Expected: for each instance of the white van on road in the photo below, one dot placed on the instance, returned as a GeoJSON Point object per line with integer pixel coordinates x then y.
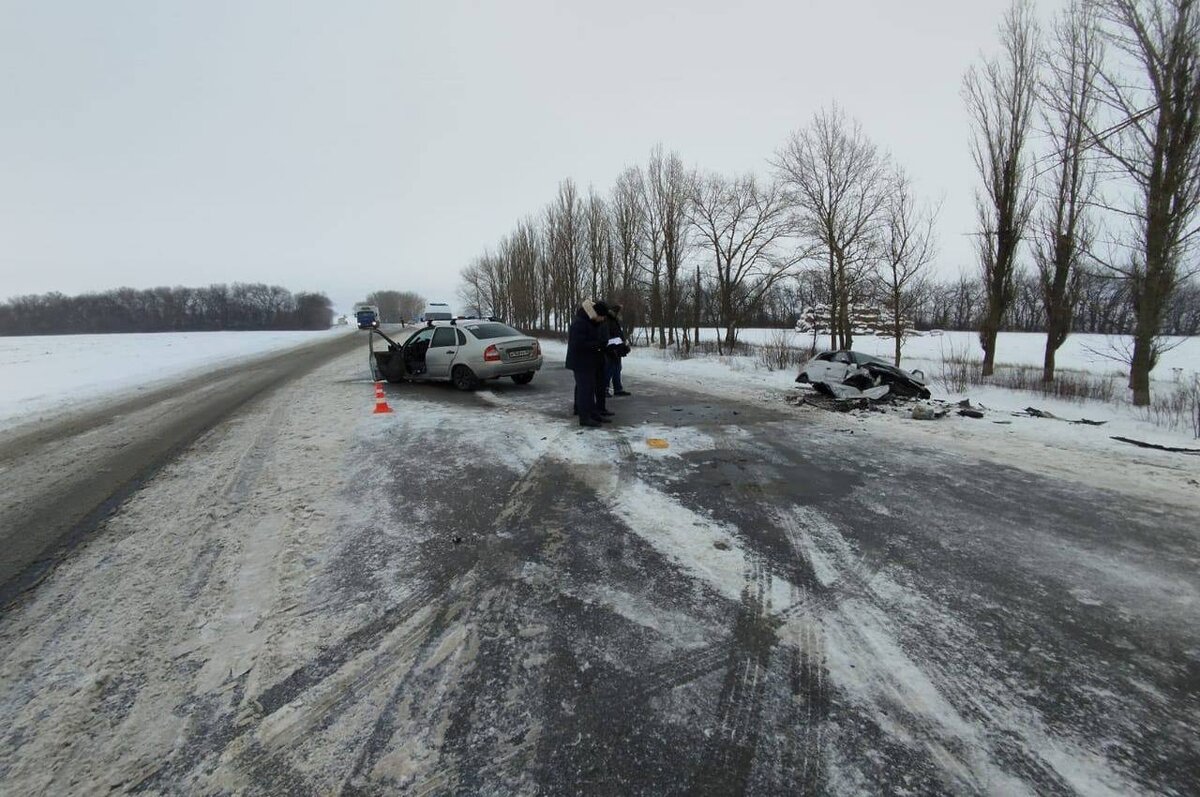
{"type": "Point", "coordinates": [437, 311]}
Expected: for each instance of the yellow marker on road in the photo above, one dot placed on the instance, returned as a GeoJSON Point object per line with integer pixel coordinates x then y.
{"type": "Point", "coordinates": [657, 442]}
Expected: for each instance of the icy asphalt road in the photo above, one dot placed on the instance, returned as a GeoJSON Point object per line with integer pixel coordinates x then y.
{"type": "Point", "coordinates": [473, 596]}
{"type": "Point", "coordinates": [63, 475]}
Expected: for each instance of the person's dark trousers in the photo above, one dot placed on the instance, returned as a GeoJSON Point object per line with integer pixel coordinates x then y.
{"type": "Point", "coordinates": [600, 382]}
{"type": "Point", "coordinates": [585, 393]}
{"type": "Point", "coordinates": [613, 375]}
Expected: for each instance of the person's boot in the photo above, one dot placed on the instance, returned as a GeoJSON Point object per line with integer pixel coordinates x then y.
{"type": "Point", "coordinates": [602, 419]}
{"type": "Point", "coordinates": [622, 392]}
{"type": "Point", "coordinates": [605, 412]}
{"type": "Point", "coordinates": [590, 422]}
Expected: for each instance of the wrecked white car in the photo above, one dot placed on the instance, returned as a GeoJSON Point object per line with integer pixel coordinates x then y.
{"type": "Point", "coordinates": [863, 372]}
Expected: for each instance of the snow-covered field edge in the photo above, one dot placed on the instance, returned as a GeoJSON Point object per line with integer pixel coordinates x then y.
{"type": "Point", "coordinates": [42, 373]}
{"type": "Point", "coordinates": [1088, 362]}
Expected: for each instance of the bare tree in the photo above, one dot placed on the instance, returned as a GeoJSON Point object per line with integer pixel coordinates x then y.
{"type": "Point", "coordinates": [388, 303]}
{"type": "Point", "coordinates": [907, 246]}
{"type": "Point", "coordinates": [411, 304]}
{"type": "Point", "coordinates": [1000, 100]}
{"type": "Point", "coordinates": [476, 289]}
{"type": "Point", "coordinates": [563, 252]}
{"type": "Point", "coordinates": [835, 179]}
{"type": "Point", "coordinates": [668, 190]}
{"type": "Point", "coordinates": [1152, 88]}
{"type": "Point", "coordinates": [523, 253]}
{"type": "Point", "coordinates": [650, 242]}
{"type": "Point", "coordinates": [596, 234]}
{"type": "Point", "coordinates": [1063, 231]}
{"type": "Point", "coordinates": [743, 227]}
{"type": "Point", "coordinates": [626, 222]}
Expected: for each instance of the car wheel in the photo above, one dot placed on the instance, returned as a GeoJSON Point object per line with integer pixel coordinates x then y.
{"type": "Point", "coordinates": [463, 378]}
{"type": "Point", "coordinates": [523, 379]}
{"type": "Point", "coordinates": [803, 377]}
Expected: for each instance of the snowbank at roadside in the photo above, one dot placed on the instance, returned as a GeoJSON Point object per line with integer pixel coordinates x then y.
{"type": "Point", "coordinates": [39, 372]}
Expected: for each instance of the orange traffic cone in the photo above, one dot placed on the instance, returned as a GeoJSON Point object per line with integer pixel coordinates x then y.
{"type": "Point", "coordinates": [381, 405]}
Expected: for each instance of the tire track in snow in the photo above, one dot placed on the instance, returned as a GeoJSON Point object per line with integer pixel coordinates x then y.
{"type": "Point", "coordinates": [968, 730]}
{"type": "Point", "coordinates": [730, 752]}
{"type": "Point", "coordinates": [711, 552]}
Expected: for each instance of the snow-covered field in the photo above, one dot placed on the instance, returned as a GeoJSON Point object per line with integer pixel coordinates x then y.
{"type": "Point", "coordinates": [40, 372]}
{"type": "Point", "coordinates": [1082, 353]}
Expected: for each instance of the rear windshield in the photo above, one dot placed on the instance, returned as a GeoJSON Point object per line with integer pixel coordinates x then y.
{"type": "Point", "coordinates": [438, 316]}
{"type": "Point", "coordinates": [485, 331]}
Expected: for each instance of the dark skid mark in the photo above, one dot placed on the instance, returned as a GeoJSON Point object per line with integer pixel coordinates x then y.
{"type": "Point", "coordinates": [726, 763]}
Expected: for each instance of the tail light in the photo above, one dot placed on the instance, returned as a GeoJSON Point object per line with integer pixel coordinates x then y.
{"type": "Point", "coordinates": [537, 349]}
{"type": "Point", "coordinates": [491, 354]}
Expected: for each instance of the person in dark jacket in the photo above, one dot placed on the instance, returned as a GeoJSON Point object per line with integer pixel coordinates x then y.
{"type": "Point", "coordinates": [602, 411]}
{"type": "Point", "coordinates": [616, 350]}
{"type": "Point", "coordinates": [585, 358]}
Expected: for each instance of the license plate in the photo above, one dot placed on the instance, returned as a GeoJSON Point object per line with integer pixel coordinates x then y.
{"type": "Point", "coordinates": [519, 354]}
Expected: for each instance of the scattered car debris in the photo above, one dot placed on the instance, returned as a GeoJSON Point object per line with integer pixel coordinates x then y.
{"type": "Point", "coordinates": [928, 412]}
{"type": "Point", "coordinates": [967, 411]}
{"type": "Point", "coordinates": [1157, 447]}
{"type": "Point", "coordinates": [1036, 413]}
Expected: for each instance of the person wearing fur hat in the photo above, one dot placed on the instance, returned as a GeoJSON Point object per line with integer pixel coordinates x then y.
{"type": "Point", "coordinates": [586, 340]}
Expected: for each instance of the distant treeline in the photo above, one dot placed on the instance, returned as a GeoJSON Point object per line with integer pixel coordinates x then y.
{"type": "Point", "coordinates": [241, 306]}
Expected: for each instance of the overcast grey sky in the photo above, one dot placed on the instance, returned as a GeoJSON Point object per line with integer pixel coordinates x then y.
{"type": "Point", "coordinates": [359, 145]}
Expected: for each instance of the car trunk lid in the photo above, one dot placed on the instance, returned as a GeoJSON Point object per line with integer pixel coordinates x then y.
{"type": "Point", "coordinates": [516, 350]}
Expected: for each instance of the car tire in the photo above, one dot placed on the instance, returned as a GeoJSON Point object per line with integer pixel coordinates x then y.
{"type": "Point", "coordinates": [523, 379]}
{"type": "Point", "coordinates": [803, 378]}
{"type": "Point", "coordinates": [463, 378]}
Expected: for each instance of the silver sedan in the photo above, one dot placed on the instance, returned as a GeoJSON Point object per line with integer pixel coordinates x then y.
{"type": "Point", "coordinates": [466, 351]}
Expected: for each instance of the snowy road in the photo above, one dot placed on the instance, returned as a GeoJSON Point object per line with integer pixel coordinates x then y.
{"type": "Point", "coordinates": [472, 596]}
{"type": "Point", "coordinates": [64, 471]}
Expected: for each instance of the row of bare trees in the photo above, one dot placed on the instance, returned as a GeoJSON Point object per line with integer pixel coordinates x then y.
{"type": "Point", "coordinates": [241, 306]}
{"type": "Point", "coordinates": [1086, 141]}
{"type": "Point", "coordinates": [1099, 304]}
{"type": "Point", "coordinates": [679, 248]}
{"type": "Point", "coordinates": [1115, 88]}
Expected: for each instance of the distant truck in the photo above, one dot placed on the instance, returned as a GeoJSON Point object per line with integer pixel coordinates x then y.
{"type": "Point", "coordinates": [437, 311]}
{"type": "Point", "coordinates": [367, 316]}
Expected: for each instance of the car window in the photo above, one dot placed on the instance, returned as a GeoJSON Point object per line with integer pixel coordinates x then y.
{"type": "Point", "coordinates": [825, 356]}
{"type": "Point", "coordinates": [863, 359]}
{"type": "Point", "coordinates": [493, 330]}
{"type": "Point", "coordinates": [462, 339]}
{"type": "Point", "coordinates": [424, 336]}
{"type": "Point", "coordinates": [841, 357]}
{"type": "Point", "coordinates": [443, 336]}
